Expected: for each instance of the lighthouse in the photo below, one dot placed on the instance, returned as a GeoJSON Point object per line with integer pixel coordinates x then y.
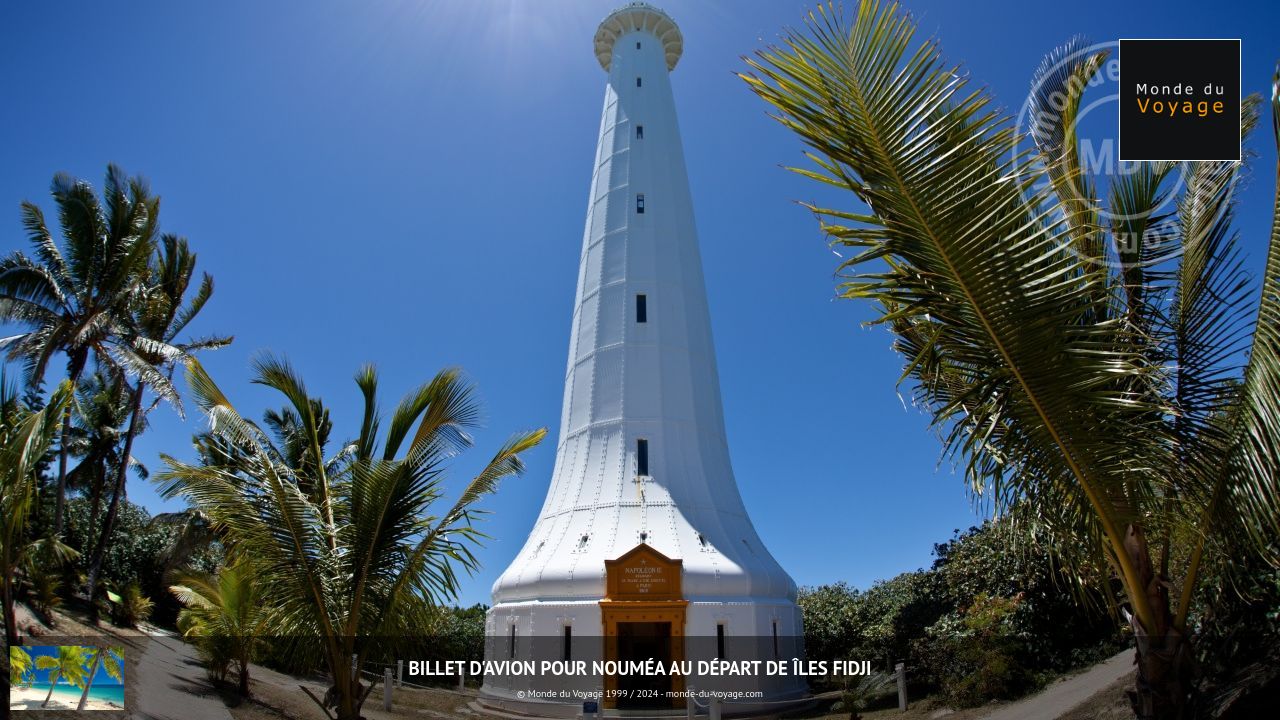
{"type": "Point", "coordinates": [643, 549]}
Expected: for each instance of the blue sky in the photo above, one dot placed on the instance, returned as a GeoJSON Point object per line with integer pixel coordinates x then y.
{"type": "Point", "coordinates": [101, 677]}
{"type": "Point", "coordinates": [405, 183]}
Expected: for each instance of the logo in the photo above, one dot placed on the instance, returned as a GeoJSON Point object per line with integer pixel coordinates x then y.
{"type": "Point", "coordinates": [1180, 100]}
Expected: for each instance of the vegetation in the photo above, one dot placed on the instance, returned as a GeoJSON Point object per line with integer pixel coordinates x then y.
{"type": "Point", "coordinates": [226, 618]}
{"type": "Point", "coordinates": [112, 299]}
{"type": "Point", "coordinates": [157, 320]}
{"type": "Point", "coordinates": [992, 619]}
{"type": "Point", "coordinates": [1106, 367]}
{"type": "Point", "coordinates": [77, 300]}
{"type": "Point", "coordinates": [116, 297]}
{"type": "Point", "coordinates": [110, 658]}
{"type": "Point", "coordinates": [349, 554]}
{"type": "Point", "coordinates": [24, 438]}
{"type": "Point", "coordinates": [20, 665]}
{"type": "Point", "coordinates": [67, 664]}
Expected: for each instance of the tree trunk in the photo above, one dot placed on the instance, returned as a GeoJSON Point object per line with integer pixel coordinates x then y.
{"type": "Point", "coordinates": [346, 688]}
{"type": "Point", "coordinates": [1165, 682]}
{"type": "Point", "coordinates": [100, 550]}
{"type": "Point", "coordinates": [10, 617]}
{"type": "Point", "coordinates": [1166, 677]}
{"type": "Point", "coordinates": [75, 366]}
{"type": "Point", "coordinates": [84, 696]}
{"type": "Point", "coordinates": [244, 678]}
{"type": "Point", "coordinates": [53, 683]}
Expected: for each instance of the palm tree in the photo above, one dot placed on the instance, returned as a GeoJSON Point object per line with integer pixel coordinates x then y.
{"type": "Point", "coordinates": [109, 657]}
{"type": "Point", "coordinates": [159, 316]}
{"type": "Point", "coordinates": [102, 409]}
{"type": "Point", "coordinates": [1126, 397]}
{"type": "Point", "coordinates": [24, 439]}
{"type": "Point", "coordinates": [76, 300]}
{"type": "Point", "coordinates": [67, 664]}
{"type": "Point", "coordinates": [224, 615]}
{"type": "Point", "coordinates": [349, 556]}
{"type": "Point", "coordinates": [20, 666]}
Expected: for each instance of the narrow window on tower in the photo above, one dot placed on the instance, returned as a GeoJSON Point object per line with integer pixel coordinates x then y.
{"type": "Point", "coordinates": [568, 643]}
{"type": "Point", "coordinates": [775, 641]}
{"type": "Point", "coordinates": [720, 641]}
{"type": "Point", "coordinates": [642, 457]}
{"type": "Point", "coordinates": [639, 203]}
{"type": "Point", "coordinates": [637, 81]}
{"type": "Point", "coordinates": [639, 132]}
{"type": "Point", "coordinates": [637, 45]}
{"type": "Point", "coordinates": [511, 643]}
{"type": "Point", "coordinates": [642, 309]}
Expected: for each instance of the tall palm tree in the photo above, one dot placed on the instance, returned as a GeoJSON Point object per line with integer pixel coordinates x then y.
{"type": "Point", "coordinates": [76, 300]}
{"type": "Point", "coordinates": [67, 664]}
{"type": "Point", "coordinates": [160, 315]}
{"type": "Point", "coordinates": [110, 658]}
{"type": "Point", "coordinates": [1126, 397]}
{"type": "Point", "coordinates": [224, 615]}
{"type": "Point", "coordinates": [350, 556]}
{"type": "Point", "coordinates": [24, 439]}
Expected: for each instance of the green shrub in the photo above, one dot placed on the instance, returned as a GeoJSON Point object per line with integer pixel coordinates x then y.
{"type": "Point", "coordinates": [1235, 636]}
{"type": "Point", "coordinates": [129, 606]}
{"type": "Point", "coordinates": [137, 553]}
{"type": "Point", "coordinates": [979, 653]}
{"type": "Point", "coordinates": [877, 625]}
{"type": "Point", "coordinates": [929, 618]}
{"type": "Point", "coordinates": [43, 587]}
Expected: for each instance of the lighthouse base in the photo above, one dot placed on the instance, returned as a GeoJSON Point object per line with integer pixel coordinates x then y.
{"type": "Point", "coordinates": [693, 633]}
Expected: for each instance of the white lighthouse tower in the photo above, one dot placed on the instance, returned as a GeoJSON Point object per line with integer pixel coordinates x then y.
{"type": "Point", "coordinates": [643, 548]}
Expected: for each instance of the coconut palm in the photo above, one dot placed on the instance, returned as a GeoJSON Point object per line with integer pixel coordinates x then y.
{"type": "Point", "coordinates": [76, 300]}
{"type": "Point", "coordinates": [160, 314]}
{"type": "Point", "coordinates": [1107, 367]}
{"type": "Point", "coordinates": [20, 666]}
{"type": "Point", "coordinates": [102, 406]}
{"type": "Point", "coordinates": [67, 664]}
{"type": "Point", "coordinates": [110, 658]}
{"type": "Point", "coordinates": [224, 616]}
{"type": "Point", "coordinates": [24, 439]}
{"type": "Point", "coordinates": [350, 557]}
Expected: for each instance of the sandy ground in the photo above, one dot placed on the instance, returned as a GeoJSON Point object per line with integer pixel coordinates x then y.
{"type": "Point", "coordinates": [1109, 704]}
{"type": "Point", "coordinates": [66, 622]}
{"type": "Point", "coordinates": [1066, 694]}
{"type": "Point", "coordinates": [21, 698]}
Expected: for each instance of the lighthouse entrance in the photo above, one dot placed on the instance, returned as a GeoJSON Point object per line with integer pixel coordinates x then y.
{"type": "Point", "coordinates": [643, 613]}
{"type": "Point", "coordinates": [638, 642]}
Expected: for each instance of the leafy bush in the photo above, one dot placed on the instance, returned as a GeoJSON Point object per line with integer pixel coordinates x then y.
{"type": "Point", "coordinates": [992, 616]}
{"type": "Point", "coordinates": [129, 606]}
{"type": "Point", "coordinates": [878, 625]}
{"type": "Point", "coordinates": [1236, 635]}
{"type": "Point", "coordinates": [135, 549]}
{"type": "Point", "coordinates": [1062, 627]}
{"type": "Point", "coordinates": [979, 653]}
{"type": "Point", "coordinates": [42, 588]}
{"type": "Point", "coordinates": [138, 554]}
{"type": "Point", "coordinates": [831, 627]}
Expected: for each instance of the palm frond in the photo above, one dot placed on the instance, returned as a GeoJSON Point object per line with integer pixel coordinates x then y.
{"type": "Point", "coordinates": [980, 265]}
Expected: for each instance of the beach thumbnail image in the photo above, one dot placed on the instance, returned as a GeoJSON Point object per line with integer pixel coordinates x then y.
{"type": "Point", "coordinates": [66, 677]}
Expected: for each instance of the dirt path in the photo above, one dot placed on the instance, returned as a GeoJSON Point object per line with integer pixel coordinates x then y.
{"type": "Point", "coordinates": [171, 684]}
{"type": "Point", "coordinates": [1062, 696]}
